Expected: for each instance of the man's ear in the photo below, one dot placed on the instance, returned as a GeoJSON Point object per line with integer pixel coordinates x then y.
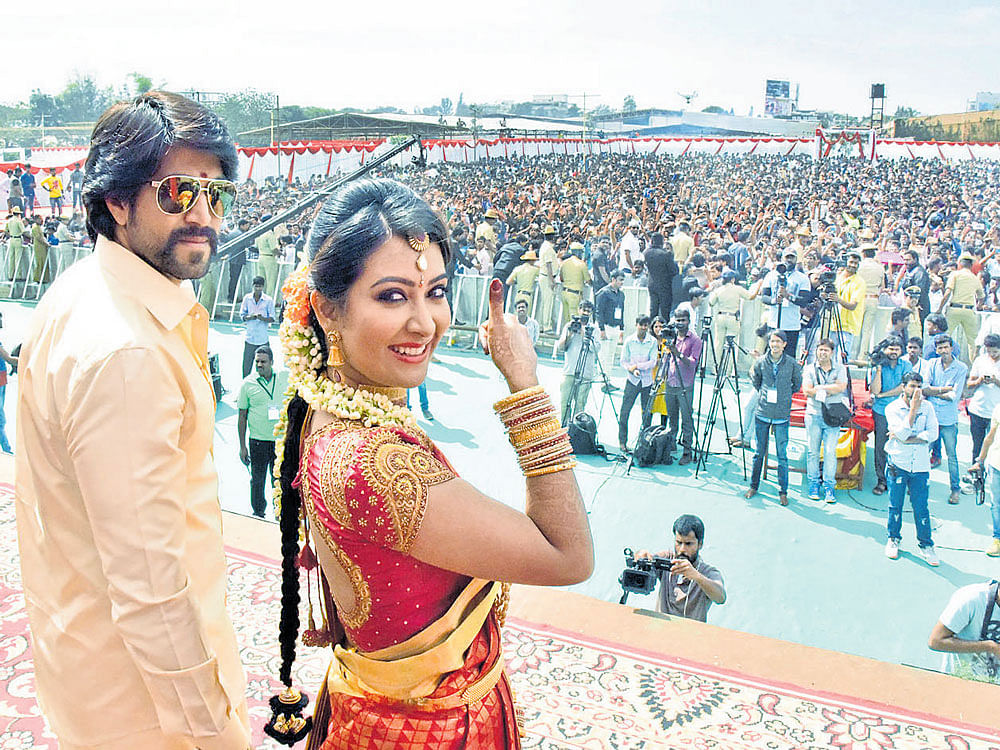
{"type": "Point", "coordinates": [119, 211]}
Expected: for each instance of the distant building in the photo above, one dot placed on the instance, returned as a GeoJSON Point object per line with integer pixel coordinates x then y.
{"type": "Point", "coordinates": [985, 100]}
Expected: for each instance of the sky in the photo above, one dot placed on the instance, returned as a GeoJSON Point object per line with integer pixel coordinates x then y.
{"type": "Point", "coordinates": [932, 56]}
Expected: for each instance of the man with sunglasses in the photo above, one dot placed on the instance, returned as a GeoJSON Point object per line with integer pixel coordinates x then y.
{"type": "Point", "coordinates": [118, 517]}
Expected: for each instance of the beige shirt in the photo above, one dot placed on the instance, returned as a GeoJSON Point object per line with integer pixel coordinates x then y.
{"type": "Point", "coordinates": [118, 518]}
{"type": "Point", "coordinates": [964, 286]}
{"type": "Point", "coordinates": [727, 298]}
{"type": "Point", "coordinates": [682, 245]}
{"type": "Point", "coordinates": [873, 274]}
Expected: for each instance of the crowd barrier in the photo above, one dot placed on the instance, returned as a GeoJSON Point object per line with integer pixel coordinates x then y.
{"type": "Point", "coordinates": [300, 159]}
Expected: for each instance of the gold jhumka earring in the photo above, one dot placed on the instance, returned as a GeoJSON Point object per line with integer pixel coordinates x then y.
{"type": "Point", "coordinates": [335, 357]}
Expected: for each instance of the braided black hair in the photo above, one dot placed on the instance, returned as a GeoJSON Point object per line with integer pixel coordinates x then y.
{"type": "Point", "coordinates": [355, 221]}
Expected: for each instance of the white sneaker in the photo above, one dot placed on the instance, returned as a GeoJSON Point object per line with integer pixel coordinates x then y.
{"type": "Point", "coordinates": [892, 549]}
{"type": "Point", "coordinates": [929, 555]}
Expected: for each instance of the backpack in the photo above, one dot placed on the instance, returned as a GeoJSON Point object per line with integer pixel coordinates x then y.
{"type": "Point", "coordinates": [656, 445]}
{"type": "Point", "coordinates": [582, 433]}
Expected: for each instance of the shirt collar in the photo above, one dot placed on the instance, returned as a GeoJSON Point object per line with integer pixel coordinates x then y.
{"type": "Point", "coordinates": [166, 300]}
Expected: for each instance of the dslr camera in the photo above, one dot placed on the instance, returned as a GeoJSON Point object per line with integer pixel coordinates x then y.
{"type": "Point", "coordinates": [641, 576]}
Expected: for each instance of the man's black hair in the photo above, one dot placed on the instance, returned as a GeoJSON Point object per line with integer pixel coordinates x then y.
{"type": "Point", "coordinates": [940, 321]}
{"type": "Point", "coordinates": [259, 280]}
{"type": "Point", "coordinates": [264, 349]}
{"type": "Point", "coordinates": [130, 141]}
{"type": "Point", "coordinates": [900, 314]}
{"type": "Point", "coordinates": [642, 320]}
{"type": "Point", "coordinates": [942, 338]}
{"type": "Point", "coordinates": [687, 523]}
{"type": "Point", "coordinates": [992, 341]}
{"type": "Point", "coordinates": [912, 377]}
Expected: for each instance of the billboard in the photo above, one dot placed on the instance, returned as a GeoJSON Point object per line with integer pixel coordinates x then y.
{"type": "Point", "coordinates": [777, 98]}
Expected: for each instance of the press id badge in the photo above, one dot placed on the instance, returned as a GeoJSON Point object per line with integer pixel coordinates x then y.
{"type": "Point", "coordinates": [771, 395]}
{"type": "Point", "coordinates": [273, 413]}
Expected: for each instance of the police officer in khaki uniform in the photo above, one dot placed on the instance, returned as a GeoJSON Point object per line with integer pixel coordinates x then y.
{"type": "Point", "coordinates": [872, 272]}
{"type": "Point", "coordinates": [574, 275]}
{"type": "Point", "coordinates": [487, 229]}
{"type": "Point", "coordinates": [725, 301]}
{"type": "Point", "coordinates": [962, 294]}
{"type": "Point", "coordinates": [523, 278]}
{"type": "Point", "coordinates": [549, 273]}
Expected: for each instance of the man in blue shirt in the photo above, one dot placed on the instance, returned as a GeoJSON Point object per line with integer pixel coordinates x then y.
{"type": "Point", "coordinates": [945, 385]}
{"type": "Point", "coordinates": [257, 311]}
{"type": "Point", "coordinates": [28, 188]}
{"type": "Point", "coordinates": [886, 385]}
{"type": "Point", "coordinates": [638, 359]}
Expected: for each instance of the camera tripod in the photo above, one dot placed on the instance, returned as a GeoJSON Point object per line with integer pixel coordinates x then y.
{"type": "Point", "coordinates": [727, 373]}
{"type": "Point", "coordinates": [659, 378]}
{"type": "Point", "coordinates": [823, 320]}
{"type": "Point", "coordinates": [586, 350]}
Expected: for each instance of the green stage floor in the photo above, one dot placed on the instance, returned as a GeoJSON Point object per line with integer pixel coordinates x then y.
{"type": "Point", "coordinates": [811, 573]}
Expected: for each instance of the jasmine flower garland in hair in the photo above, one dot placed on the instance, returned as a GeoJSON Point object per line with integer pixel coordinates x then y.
{"type": "Point", "coordinates": [306, 377]}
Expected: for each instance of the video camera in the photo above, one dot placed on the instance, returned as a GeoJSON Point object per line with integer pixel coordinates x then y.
{"type": "Point", "coordinates": [641, 576]}
{"type": "Point", "coordinates": [581, 323]}
{"type": "Point", "coordinates": [828, 282]}
{"type": "Point", "coordinates": [668, 334]}
{"type": "Point", "coordinates": [978, 484]}
{"type": "Point", "coordinates": [878, 356]}
{"type": "Point", "coordinates": [781, 270]}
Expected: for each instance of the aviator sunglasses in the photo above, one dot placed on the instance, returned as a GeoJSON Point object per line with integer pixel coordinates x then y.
{"type": "Point", "coordinates": [177, 194]}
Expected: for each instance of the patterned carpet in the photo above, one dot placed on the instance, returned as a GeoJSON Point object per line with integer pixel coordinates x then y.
{"type": "Point", "coordinates": [576, 693]}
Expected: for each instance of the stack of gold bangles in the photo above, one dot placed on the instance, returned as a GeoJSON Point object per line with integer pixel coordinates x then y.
{"type": "Point", "coordinates": [542, 446]}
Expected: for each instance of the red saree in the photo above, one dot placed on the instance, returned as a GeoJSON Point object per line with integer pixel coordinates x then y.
{"type": "Point", "coordinates": [365, 491]}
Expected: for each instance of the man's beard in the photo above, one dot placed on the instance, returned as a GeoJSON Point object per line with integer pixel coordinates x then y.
{"type": "Point", "coordinates": [165, 260]}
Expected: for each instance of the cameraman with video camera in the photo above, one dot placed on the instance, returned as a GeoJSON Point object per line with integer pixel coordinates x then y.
{"type": "Point", "coordinates": [683, 351]}
{"type": "Point", "coordinates": [782, 290]}
{"type": "Point", "coordinates": [688, 584]}
{"type": "Point", "coordinates": [848, 292]}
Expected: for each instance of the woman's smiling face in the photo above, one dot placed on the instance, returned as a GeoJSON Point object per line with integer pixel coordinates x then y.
{"type": "Point", "coordinates": [393, 317]}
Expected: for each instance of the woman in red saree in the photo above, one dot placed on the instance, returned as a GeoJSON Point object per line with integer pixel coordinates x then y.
{"type": "Point", "coordinates": [409, 555]}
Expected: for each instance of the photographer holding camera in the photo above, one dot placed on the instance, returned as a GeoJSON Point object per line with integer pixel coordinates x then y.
{"type": "Point", "coordinates": [574, 334]}
{"type": "Point", "coordinates": [886, 385]}
{"type": "Point", "coordinates": [683, 351]}
{"type": "Point", "coordinates": [782, 290]}
{"type": "Point", "coordinates": [984, 387]}
{"type": "Point", "coordinates": [689, 586]}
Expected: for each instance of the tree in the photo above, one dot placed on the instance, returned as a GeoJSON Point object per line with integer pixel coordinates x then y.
{"type": "Point", "coordinates": [44, 109]}
{"type": "Point", "coordinates": [715, 110]}
{"type": "Point", "coordinates": [629, 104]}
{"type": "Point", "coordinates": [83, 100]}
{"type": "Point", "coordinates": [904, 112]}
{"type": "Point", "coordinates": [140, 83]}
{"type": "Point", "coordinates": [445, 106]}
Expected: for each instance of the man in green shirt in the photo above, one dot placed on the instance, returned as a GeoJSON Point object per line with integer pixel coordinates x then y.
{"type": "Point", "coordinates": [259, 402]}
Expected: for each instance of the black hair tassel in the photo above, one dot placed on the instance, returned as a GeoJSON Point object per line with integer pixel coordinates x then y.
{"type": "Point", "coordinates": [287, 725]}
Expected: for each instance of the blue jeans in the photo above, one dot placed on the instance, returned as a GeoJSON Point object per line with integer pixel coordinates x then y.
{"type": "Point", "coordinates": [948, 434]}
{"type": "Point", "coordinates": [899, 482]}
{"type": "Point", "coordinates": [780, 447]}
{"type": "Point", "coordinates": [422, 395]}
{"type": "Point", "coordinates": [819, 432]}
{"type": "Point", "coordinates": [750, 415]}
{"type": "Point", "coordinates": [4, 443]}
{"type": "Point", "coordinates": [995, 500]}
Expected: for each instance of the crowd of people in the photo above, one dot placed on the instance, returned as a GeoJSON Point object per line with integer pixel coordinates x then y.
{"type": "Point", "coordinates": [805, 254]}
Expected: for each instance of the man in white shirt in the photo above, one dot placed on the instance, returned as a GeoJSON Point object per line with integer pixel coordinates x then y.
{"type": "Point", "coordinates": [629, 249]}
{"type": "Point", "coordinates": [638, 359]}
{"type": "Point", "coordinates": [913, 427]}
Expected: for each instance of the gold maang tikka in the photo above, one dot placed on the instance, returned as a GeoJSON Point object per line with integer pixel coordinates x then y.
{"type": "Point", "coordinates": [420, 243]}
